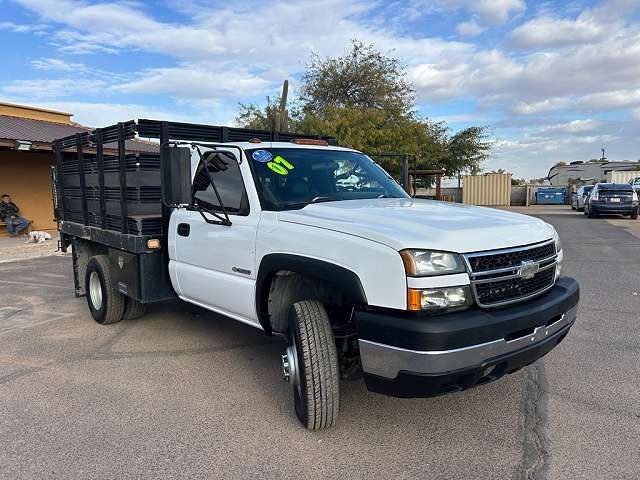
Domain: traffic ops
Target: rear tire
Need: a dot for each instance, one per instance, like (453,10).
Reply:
(134,309)
(105,303)
(316,383)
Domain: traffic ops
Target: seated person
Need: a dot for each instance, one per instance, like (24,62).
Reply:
(9,215)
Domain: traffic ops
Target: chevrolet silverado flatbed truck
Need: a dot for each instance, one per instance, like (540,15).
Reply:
(301,238)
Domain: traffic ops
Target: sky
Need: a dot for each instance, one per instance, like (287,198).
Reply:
(554,80)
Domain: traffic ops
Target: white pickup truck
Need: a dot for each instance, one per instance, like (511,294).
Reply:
(314,243)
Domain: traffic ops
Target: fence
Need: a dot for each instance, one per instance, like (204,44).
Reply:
(493,189)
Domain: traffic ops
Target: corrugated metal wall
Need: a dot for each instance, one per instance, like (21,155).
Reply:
(493,189)
(622,176)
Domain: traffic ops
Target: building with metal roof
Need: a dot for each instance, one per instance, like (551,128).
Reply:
(587,173)
(26,157)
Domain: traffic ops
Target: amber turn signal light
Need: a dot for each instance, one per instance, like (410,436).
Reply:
(413,300)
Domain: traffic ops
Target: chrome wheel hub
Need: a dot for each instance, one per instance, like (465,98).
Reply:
(290,372)
(95,290)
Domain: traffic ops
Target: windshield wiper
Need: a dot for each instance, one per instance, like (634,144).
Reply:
(324,199)
(320,199)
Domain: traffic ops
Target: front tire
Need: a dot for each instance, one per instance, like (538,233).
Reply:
(634,215)
(313,365)
(105,302)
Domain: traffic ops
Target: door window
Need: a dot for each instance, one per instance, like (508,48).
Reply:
(226,174)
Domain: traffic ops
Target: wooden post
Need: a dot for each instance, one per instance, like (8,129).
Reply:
(438,186)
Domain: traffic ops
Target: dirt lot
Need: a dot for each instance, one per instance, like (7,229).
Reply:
(186,393)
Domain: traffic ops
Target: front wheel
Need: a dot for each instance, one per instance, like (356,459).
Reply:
(634,215)
(310,364)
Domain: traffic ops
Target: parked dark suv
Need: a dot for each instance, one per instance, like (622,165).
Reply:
(612,198)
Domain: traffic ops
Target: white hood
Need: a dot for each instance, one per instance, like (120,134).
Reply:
(414,223)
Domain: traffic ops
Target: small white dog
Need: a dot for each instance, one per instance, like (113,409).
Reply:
(38,237)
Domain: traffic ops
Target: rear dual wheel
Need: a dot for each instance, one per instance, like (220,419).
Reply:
(107,305)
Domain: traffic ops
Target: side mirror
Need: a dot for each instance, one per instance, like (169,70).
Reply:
(175,168)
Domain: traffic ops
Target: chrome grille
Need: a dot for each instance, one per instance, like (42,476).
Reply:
(511,275)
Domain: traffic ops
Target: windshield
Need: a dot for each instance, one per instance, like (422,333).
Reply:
(290,178)
(588,189)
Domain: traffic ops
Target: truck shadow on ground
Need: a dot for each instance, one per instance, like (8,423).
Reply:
(497,409)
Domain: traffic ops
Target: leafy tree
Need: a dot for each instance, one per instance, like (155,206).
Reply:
(363,99)
(362,78)
(467,150)
(538,181)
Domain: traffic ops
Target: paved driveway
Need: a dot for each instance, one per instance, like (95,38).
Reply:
(186,393)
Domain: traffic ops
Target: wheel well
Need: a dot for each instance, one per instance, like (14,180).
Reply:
(82,251)
(286,279)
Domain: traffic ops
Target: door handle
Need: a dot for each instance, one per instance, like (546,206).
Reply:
(184,229)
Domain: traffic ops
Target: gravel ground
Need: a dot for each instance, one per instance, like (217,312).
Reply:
(17,248)
(186,393)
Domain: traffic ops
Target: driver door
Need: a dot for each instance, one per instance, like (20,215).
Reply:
(214,264)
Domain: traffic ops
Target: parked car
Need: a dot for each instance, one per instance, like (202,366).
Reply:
(612,198)
(579,198)
(635,183)
(317,244)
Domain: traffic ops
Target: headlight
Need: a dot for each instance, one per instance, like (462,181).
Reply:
(559,252)
(424,263)
(634,196)
(556,239)
(438,298)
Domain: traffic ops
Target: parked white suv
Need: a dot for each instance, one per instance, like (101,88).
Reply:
(318,244)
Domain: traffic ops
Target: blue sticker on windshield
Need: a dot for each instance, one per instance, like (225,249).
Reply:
(262,156)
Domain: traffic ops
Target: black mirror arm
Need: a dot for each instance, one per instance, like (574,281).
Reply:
(224,221)
(220,220)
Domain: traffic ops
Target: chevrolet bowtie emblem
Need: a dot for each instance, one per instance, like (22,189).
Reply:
(528,269)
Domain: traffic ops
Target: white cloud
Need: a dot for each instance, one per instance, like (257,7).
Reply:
(540,81)
(573,127)
(45,89)
(495,12)
(612,100)
(554,32)
(485,12)
(542,106)
(469,29)
(48,64)
(97,114)
(201,80)
(21,28)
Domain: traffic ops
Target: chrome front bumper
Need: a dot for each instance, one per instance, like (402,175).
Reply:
(388,361)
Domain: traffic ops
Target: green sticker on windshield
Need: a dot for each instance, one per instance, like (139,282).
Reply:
(280,166)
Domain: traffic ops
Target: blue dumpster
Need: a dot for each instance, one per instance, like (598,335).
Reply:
(550,196)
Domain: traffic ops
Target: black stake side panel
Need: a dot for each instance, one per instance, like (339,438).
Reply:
(211,133)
